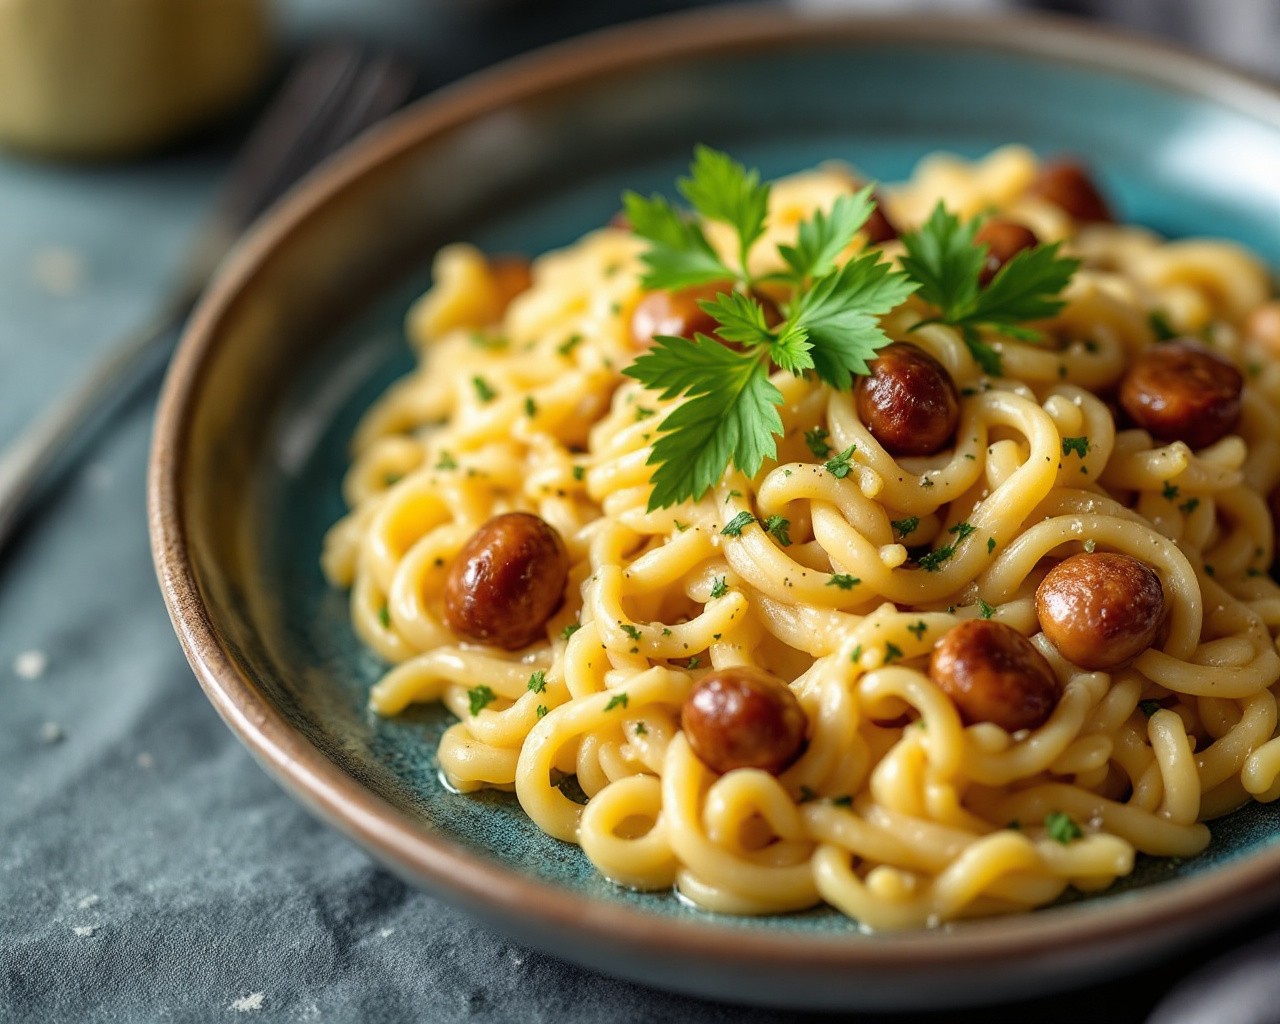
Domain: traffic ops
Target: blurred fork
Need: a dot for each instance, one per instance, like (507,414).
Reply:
(332,94)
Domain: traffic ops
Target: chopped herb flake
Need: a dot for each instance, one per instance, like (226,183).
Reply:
(735,526)
(1149,707)
(618,700)
(892,652)
(778,527)
(932,561)
(569,630)
(816,439)
(720,587)
(1062,828)
(384,617)
(985,611)
(538,681)
(843,581)
(1079,445)
(905,527)
(489,342)
(838,467)
(631,631)
(1160,326)
(484,390)
(480,697)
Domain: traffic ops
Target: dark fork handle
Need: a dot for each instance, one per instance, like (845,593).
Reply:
(332,96)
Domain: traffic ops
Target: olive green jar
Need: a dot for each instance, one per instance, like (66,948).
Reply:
(113,78)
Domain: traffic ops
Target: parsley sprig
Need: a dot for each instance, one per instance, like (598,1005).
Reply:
(830,324)
(943,257)
(826,320)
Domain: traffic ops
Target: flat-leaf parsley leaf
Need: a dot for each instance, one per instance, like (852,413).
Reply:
(945,258)
(731,414)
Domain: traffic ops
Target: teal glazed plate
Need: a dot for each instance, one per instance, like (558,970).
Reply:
(303,330)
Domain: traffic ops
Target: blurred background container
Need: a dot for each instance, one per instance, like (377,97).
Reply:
(116,78)
(106,78)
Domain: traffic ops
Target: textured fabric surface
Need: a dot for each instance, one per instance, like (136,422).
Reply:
(149,870)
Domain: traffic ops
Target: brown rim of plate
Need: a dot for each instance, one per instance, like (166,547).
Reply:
(322,786)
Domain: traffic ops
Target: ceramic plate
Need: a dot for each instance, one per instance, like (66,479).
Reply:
(251,440)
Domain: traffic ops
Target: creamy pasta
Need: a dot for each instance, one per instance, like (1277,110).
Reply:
(901,811)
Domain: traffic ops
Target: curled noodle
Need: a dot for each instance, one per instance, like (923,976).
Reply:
(897,813)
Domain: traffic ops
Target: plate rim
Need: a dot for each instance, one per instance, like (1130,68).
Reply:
(448,868)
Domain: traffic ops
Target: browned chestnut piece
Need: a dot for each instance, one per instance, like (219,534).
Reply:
(674,314)
(1182,391)
(677,314)
(1067,184)
(994,674)
(511,275)
(1100,610)
(908,402)
(1004,239)
(744,718)
(507,581)
(879,228)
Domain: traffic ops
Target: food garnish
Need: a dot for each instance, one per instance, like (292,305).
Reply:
(830,313)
